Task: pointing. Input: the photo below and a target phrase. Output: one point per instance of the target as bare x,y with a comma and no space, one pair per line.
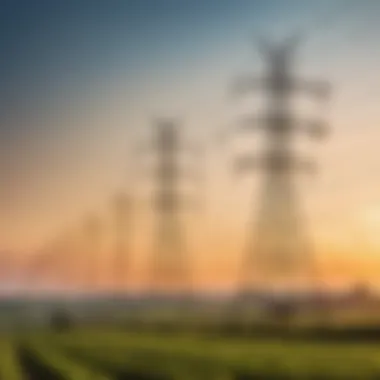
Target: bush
60,321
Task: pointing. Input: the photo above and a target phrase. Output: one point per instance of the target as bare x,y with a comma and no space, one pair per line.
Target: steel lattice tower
122,223
280,251
169,266
50,262
92,237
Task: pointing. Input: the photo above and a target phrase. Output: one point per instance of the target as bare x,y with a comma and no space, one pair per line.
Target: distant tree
361,291
60,321
282,311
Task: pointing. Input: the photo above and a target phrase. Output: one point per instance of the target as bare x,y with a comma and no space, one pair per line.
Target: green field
116,354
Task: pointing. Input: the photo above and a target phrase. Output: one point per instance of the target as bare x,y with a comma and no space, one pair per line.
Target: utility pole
169,267
280,249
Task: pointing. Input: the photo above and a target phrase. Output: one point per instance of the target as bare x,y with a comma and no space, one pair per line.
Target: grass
101,354
268,359
45,361
10,367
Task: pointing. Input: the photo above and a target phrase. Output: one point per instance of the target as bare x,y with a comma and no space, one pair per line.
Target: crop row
226,359
10,367
202,366
42,361
118,356
152,365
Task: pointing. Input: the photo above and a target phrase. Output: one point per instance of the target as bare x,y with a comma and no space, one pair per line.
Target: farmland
105,353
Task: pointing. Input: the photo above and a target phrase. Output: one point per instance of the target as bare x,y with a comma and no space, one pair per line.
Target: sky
82,83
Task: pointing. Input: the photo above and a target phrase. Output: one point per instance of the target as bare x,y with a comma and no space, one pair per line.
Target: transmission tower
280,252
92,241
169,271
38,267
122,223
50,263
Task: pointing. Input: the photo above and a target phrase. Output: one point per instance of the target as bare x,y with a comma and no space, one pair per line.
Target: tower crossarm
278,82
318,88
274,162
281,124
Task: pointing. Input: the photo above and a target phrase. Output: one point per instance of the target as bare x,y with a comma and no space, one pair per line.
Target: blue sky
80,79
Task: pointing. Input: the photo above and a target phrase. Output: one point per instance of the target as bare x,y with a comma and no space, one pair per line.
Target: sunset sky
82,82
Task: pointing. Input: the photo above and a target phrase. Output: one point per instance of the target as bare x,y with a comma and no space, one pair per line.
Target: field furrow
10,365
43,361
